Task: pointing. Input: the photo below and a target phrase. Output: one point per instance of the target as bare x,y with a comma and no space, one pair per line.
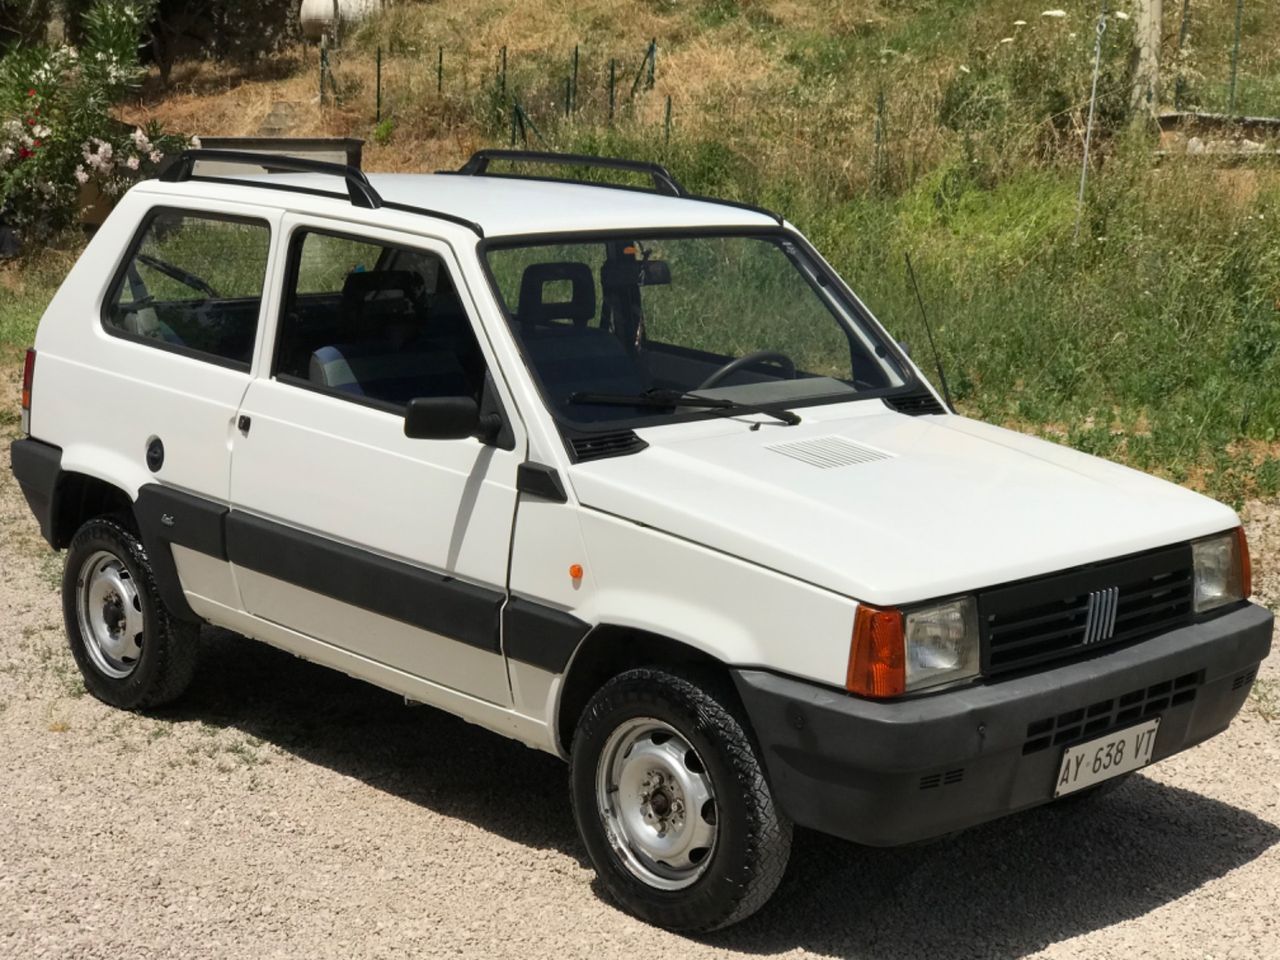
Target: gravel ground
286,811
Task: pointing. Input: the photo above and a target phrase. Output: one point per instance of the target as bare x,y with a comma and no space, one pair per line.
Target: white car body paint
710,537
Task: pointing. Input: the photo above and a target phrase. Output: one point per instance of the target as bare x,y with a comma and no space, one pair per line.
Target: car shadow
1006,889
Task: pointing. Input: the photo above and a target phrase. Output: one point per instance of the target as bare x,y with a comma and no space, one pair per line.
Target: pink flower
132,163
156,156
81,175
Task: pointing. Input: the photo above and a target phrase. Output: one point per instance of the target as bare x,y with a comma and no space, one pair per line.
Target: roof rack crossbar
663,181
360,192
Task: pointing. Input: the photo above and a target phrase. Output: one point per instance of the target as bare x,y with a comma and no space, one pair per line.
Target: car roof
500,206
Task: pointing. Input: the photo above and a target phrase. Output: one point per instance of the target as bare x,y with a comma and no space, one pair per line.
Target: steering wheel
733,366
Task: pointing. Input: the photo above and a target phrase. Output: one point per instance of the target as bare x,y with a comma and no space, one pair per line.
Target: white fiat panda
626,474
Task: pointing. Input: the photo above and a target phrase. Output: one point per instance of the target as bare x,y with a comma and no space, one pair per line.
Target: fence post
440,71
878,168
568,94
1146,80
1235,59
573,99
653,62
1180,86
504,72
667,122
378,109
324,64
613,82
1099,30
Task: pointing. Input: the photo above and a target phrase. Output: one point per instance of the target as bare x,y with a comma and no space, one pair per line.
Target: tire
132,652
635,787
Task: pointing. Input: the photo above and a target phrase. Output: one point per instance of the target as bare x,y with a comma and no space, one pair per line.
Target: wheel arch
79,497
610,649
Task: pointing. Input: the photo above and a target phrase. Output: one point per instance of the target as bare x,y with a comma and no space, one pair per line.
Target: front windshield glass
742,319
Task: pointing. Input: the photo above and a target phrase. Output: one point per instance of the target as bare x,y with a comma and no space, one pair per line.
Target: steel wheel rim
657,804
109,608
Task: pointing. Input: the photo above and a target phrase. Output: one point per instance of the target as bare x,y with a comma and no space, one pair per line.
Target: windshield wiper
670,399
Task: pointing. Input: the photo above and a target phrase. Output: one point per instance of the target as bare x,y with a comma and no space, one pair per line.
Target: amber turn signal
28,375
877,661
1246,565
575,571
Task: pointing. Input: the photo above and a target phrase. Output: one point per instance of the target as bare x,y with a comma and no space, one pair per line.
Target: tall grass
882,128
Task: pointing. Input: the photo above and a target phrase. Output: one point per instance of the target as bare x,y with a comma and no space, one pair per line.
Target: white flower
132,163
195,143
81,175
155,156
1056,14
140,140
40,131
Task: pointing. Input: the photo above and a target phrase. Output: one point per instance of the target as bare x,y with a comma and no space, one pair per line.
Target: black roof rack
663,181
359,190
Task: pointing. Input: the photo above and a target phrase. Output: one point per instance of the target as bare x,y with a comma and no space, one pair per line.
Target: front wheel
131,651
672,803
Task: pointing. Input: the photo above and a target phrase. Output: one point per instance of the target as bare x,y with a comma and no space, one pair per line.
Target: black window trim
296,236
577,428
181,350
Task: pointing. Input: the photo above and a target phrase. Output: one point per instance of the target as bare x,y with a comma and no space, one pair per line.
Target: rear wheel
672,803
131,651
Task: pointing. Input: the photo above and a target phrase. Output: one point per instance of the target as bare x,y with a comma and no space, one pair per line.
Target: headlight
895,652
1222,571
941,643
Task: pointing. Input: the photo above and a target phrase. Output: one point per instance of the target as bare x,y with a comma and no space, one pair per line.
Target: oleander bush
57,135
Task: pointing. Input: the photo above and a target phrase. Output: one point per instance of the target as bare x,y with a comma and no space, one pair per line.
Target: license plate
1108,756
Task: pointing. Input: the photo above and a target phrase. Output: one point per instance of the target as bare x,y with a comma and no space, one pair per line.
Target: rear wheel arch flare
78,498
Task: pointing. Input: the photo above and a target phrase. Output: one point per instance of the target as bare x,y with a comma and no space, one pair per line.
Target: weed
383,131
51,569
1265,699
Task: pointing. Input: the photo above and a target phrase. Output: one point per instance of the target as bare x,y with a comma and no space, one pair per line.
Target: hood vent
827,452
598,446
915,404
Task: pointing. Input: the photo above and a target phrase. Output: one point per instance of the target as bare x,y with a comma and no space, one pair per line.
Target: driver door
342,528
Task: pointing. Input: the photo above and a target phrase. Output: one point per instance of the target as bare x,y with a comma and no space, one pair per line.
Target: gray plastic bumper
891,773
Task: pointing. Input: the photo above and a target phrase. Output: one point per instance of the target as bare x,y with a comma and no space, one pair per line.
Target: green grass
1153,339
25,290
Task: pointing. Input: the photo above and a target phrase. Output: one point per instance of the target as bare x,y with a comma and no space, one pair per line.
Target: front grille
1098,718
597,446
1078,612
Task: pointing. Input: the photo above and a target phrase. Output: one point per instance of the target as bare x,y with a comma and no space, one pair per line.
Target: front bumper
885,774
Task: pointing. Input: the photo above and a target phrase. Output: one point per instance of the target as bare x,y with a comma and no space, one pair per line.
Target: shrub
56,132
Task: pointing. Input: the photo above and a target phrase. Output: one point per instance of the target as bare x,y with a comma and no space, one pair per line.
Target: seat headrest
581,305
372,286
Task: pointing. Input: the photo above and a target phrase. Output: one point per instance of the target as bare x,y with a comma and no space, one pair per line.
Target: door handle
243,424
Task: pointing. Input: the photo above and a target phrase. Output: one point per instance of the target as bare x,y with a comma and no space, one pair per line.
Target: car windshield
741,320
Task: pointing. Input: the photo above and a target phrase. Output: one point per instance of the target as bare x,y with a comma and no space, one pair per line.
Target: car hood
888,508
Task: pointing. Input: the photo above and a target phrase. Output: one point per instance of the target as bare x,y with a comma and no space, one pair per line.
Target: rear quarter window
192,283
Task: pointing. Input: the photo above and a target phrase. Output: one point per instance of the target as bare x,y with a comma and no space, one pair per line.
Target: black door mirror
449,418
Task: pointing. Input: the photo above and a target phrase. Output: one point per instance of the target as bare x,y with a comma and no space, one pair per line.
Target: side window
193,283
373,322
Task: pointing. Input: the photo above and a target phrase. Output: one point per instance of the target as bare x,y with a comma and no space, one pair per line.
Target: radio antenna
937,359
